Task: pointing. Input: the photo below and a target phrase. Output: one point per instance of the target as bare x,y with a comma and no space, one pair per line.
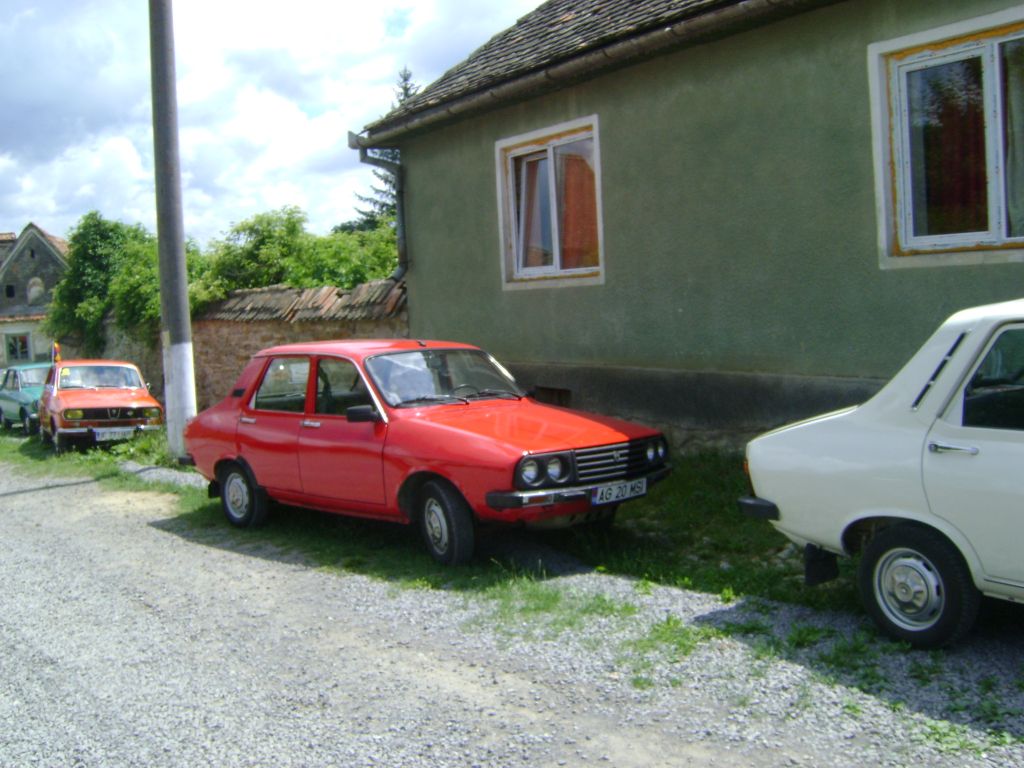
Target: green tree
97,248
346,259
257,251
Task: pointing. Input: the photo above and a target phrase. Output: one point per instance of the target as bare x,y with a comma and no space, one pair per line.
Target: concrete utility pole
176,327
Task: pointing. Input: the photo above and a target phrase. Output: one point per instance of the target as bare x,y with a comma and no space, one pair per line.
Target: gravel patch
125,640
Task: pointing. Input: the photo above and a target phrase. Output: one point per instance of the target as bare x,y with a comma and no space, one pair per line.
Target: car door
339,460
268,425
7,379
974,457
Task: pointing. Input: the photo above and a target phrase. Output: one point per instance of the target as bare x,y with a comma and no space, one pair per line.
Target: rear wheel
916,586
446,523
244,503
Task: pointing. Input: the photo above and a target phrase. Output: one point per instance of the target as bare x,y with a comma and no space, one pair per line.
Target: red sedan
435,434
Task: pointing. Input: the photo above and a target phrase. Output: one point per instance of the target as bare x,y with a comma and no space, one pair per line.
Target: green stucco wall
739,214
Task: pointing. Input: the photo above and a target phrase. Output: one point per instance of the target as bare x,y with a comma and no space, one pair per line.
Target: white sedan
925,480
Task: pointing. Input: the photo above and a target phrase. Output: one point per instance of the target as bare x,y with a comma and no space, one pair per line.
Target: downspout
395,169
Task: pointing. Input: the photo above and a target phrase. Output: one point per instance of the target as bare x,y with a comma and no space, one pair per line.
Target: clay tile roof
599,33
376,300
7,237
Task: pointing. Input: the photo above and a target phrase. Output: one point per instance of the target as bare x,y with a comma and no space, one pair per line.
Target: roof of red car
359,348
96,362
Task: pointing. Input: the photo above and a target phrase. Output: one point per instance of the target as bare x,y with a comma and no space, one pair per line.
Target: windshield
99,377
33,377
440,376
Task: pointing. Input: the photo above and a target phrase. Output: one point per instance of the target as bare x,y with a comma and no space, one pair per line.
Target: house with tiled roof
31,264
715,215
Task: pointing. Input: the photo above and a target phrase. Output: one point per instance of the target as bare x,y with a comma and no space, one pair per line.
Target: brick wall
221,348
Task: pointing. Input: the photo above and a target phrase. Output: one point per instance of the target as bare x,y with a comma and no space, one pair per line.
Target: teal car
20,389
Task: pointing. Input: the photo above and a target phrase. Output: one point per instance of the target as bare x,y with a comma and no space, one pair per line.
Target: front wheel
244,503
446,523
916,586
27,426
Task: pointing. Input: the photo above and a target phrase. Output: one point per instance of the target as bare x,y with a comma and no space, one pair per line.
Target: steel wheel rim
436,525
909,590
236,495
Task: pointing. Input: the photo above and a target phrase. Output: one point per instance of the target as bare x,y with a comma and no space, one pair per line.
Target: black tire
4,423
916,586
245,504
26,425
61,443
45,437
446,523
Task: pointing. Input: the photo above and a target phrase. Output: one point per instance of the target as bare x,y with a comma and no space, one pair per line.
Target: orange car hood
106,398
531,427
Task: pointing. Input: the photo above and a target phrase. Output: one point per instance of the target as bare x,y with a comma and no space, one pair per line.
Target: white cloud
266,98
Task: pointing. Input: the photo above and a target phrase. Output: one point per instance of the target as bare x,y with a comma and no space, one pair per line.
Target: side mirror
362,413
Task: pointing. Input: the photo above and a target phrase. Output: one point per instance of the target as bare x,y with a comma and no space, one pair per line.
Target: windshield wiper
497,393
434,399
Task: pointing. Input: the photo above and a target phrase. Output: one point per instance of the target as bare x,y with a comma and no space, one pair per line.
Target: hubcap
236,494
436,525
909,590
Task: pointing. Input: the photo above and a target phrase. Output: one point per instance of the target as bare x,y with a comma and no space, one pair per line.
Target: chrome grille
110,414
609,462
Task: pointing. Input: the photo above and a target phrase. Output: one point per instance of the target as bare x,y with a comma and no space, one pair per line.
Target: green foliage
97,248
114,269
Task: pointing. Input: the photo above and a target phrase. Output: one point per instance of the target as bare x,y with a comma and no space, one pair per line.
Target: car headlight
74,414
657,450
557,468
151,413
529,472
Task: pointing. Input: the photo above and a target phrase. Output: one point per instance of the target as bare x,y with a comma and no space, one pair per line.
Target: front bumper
108,434
760,509
546,497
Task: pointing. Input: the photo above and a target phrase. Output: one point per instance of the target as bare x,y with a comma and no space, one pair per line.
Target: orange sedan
95,402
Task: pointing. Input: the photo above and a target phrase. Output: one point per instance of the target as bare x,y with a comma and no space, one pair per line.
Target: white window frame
888,63
534,143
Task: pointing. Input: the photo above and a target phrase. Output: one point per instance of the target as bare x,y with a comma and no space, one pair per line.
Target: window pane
947,153
1012,56
284,385
339,387
577,204
994,397
533,204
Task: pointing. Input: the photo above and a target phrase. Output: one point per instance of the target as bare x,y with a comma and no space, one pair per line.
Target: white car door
973,463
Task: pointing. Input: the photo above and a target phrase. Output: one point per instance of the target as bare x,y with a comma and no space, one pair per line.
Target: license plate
116,433
612,494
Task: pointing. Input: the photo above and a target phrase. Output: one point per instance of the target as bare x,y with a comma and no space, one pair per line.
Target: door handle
309,423
247,419
947,448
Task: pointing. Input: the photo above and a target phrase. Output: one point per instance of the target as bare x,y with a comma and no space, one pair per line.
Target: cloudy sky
267,92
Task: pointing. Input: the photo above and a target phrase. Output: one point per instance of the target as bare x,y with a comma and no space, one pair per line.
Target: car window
99,377
339,386
284,385
440,375
994,396
33,377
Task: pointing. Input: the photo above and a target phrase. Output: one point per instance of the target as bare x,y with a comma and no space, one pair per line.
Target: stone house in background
31,264
712,215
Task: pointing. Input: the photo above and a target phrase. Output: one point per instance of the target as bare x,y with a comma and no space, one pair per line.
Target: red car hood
528,426
106,398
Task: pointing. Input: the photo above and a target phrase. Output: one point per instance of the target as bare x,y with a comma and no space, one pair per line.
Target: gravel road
125,640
